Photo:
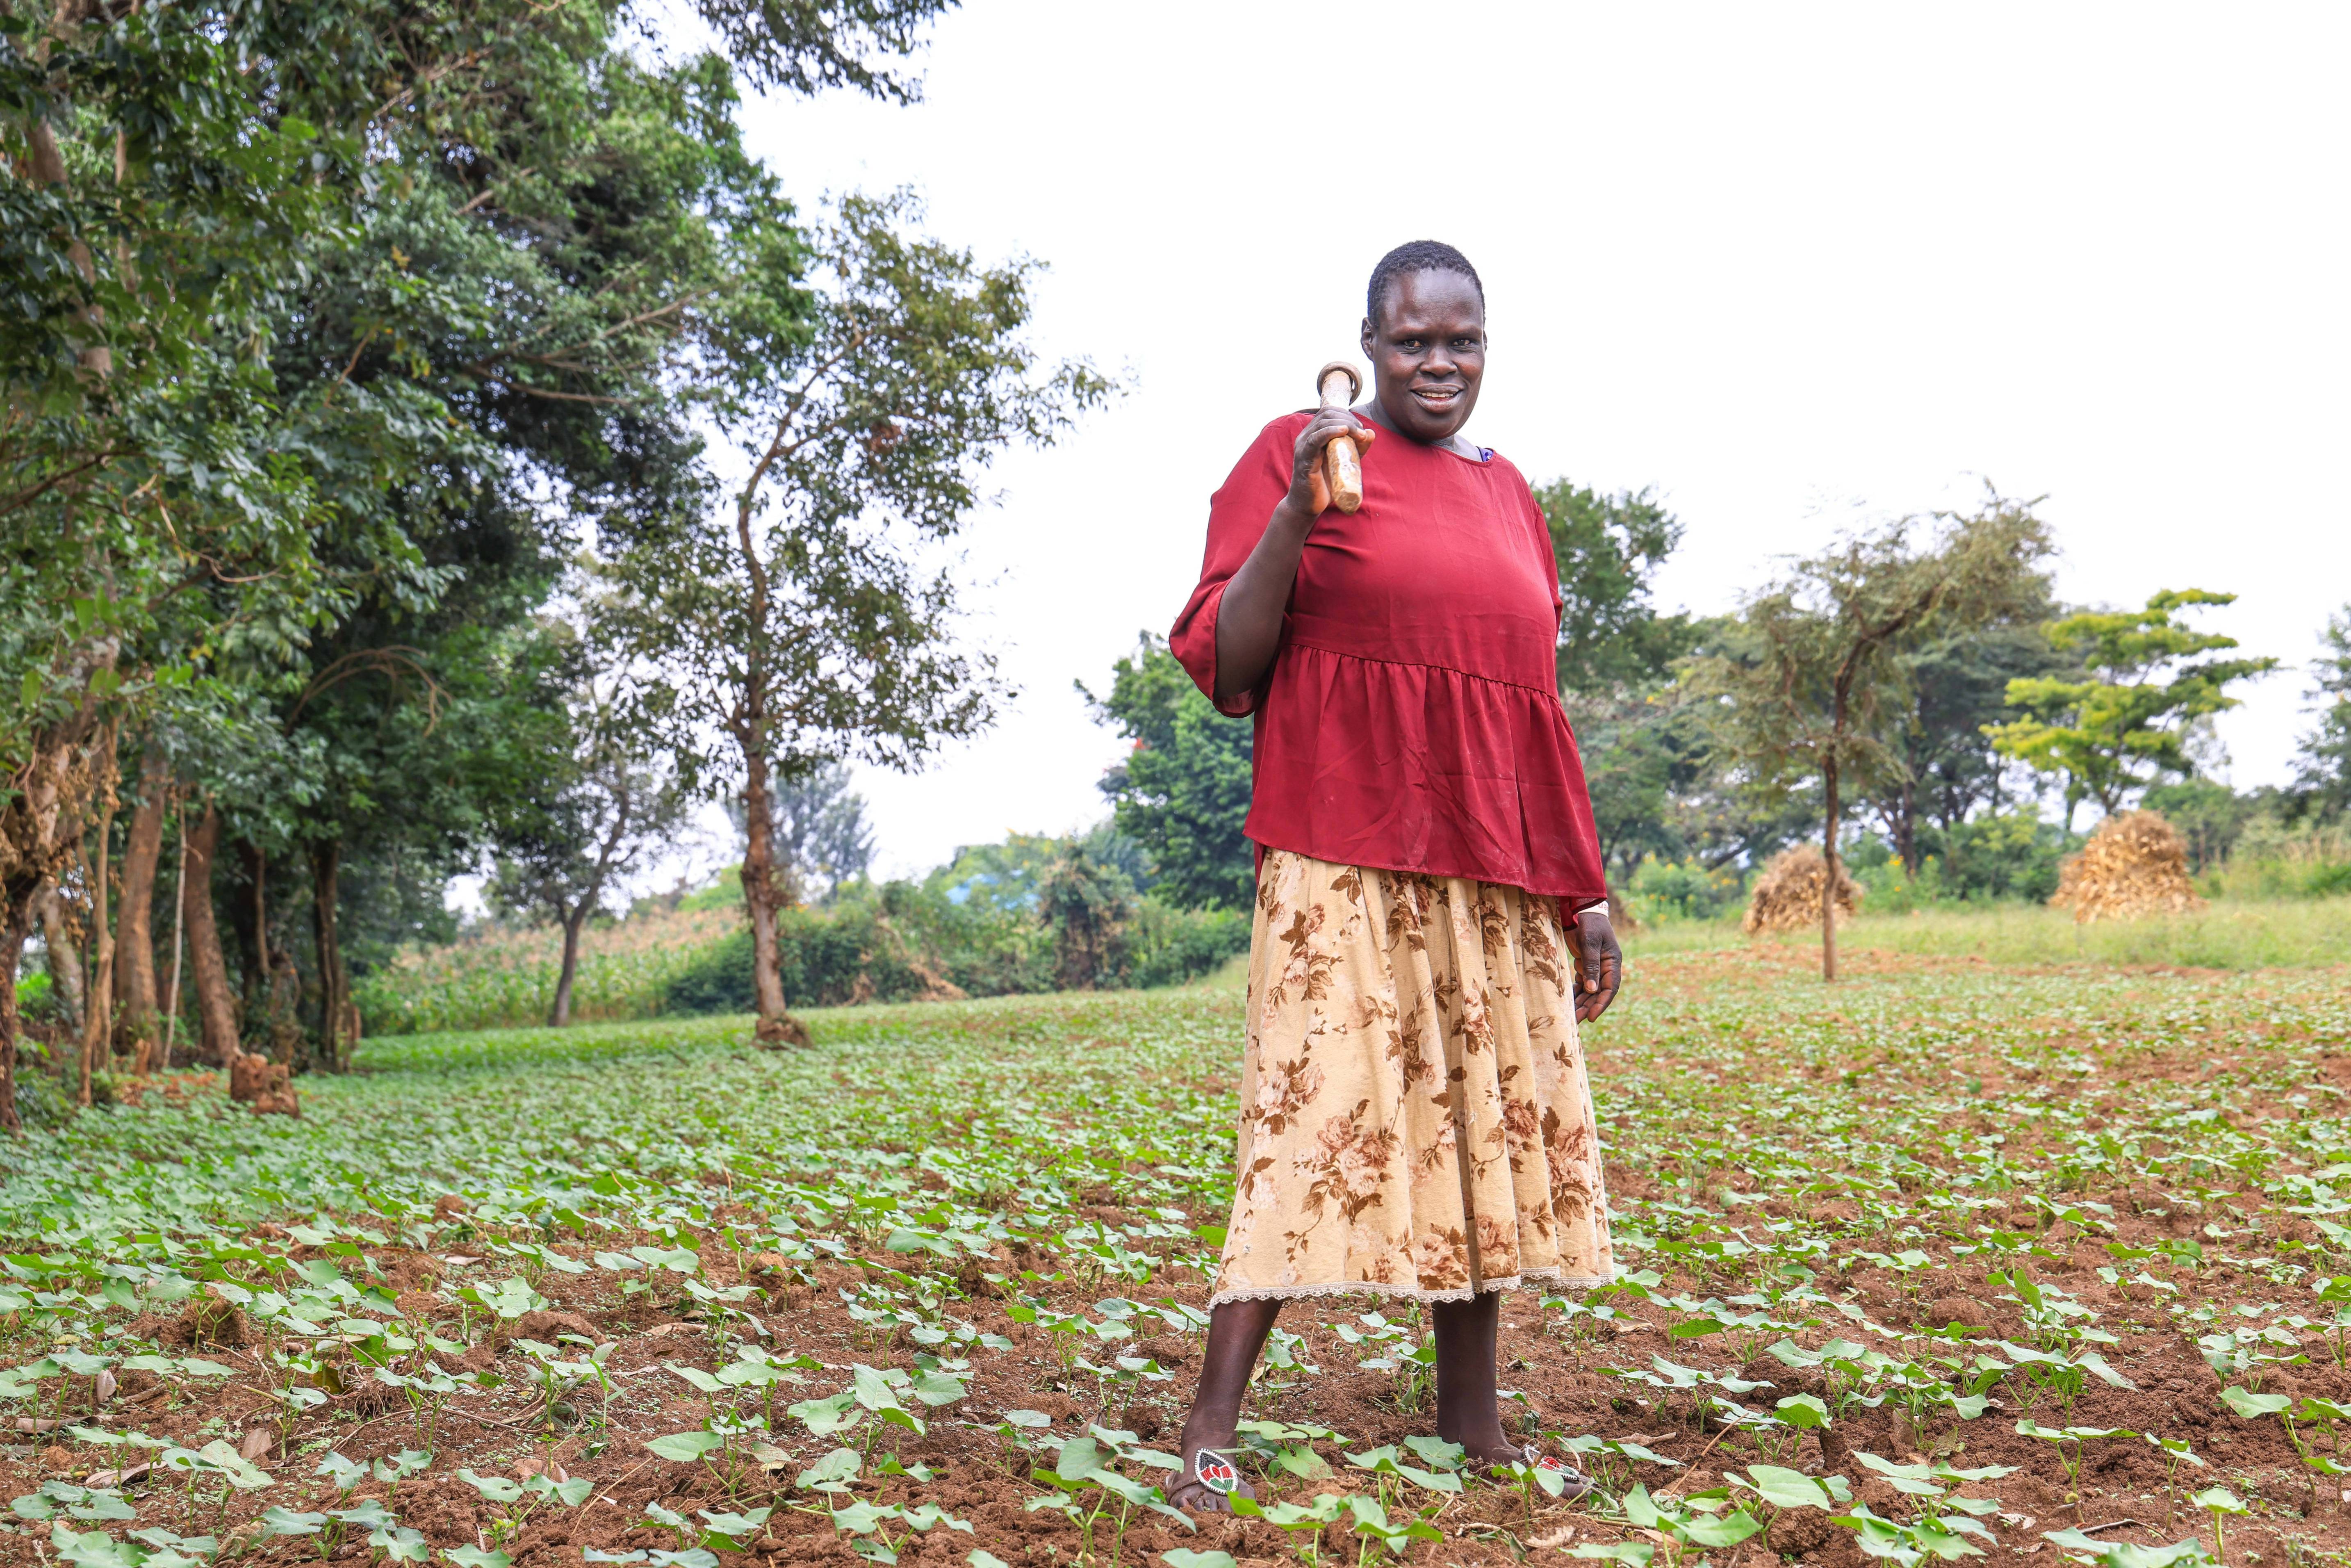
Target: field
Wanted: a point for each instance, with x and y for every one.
(1953, 1256)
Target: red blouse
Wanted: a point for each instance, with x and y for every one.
(1412, 720)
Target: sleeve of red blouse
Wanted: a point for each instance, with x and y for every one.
(1550, 555)
(1237, 518)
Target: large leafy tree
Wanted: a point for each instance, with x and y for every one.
(1608, 547)
(305, 301)
(2128, 720)
(865, 379)
(1814, 685)
(158, 500)
(1182, 792)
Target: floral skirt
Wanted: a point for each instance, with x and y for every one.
(1415, 1120)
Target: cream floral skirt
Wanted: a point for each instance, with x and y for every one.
(1415, 1120)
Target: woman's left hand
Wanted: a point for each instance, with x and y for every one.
(1599, 963)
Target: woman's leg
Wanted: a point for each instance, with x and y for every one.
(1468, 1411)
(1236, 1331)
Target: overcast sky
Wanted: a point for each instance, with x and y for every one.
(1793, 266)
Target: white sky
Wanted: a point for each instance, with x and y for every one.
(1780, 262)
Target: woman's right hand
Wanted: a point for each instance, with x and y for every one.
(1309, 487)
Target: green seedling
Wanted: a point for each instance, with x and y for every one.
(1297, 1519)
(1699, 1523)
(2219, 1502)
(2069, 1440)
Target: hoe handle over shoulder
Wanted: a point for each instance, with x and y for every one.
(1337, 384)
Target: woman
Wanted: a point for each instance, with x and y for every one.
(1415, 1120)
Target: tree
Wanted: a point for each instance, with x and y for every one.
(1658, 788)
(2321, 780)
(1816, 680)
(1181, 793)
(2127, 722)
(804, 624)
(291, 290)
(564, 848)
(1086, 904)
(1607, 548)
(821, 835)
(1957, 686)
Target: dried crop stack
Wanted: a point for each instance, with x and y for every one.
(1787, 896)
(2134, 865)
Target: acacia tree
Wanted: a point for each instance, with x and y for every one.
(866, 380)
(1814, 676)
(2127, 722)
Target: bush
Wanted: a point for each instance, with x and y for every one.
(1684, 890)
(1167, 947)
(2269, 859)
(2012, 855)
(898, 943)
(37, 997)
(989, 924)
(826, 959)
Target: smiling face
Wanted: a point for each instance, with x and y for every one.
(1428, 348)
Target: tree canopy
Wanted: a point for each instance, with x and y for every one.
(1815, 682)
(2127, 722)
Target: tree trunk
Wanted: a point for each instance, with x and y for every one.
(334, 985)
(64, 959)
(1829, 872)
(560, 1014)
(161, 1061)
(763, 898)
(21, 892)
(248, 914)
(216, 1004)
(1905, 830)
(134, 935)
(98, 1021)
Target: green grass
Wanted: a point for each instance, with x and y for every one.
(2223, 934)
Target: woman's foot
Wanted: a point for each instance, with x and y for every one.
(1572, 1483)
(1209, 1481)
(1236, 1330)
(1484, 1444)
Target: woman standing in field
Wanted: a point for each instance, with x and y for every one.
(1431, 917)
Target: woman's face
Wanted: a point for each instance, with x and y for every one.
(1428, 348)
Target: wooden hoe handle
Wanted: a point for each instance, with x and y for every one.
(1338, 385)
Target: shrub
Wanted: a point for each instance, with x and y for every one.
(1683, 890)
(2269, 859)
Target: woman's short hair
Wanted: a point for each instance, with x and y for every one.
(1416, 255)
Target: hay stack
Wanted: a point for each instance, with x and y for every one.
(1787, 896)
(2134, 865)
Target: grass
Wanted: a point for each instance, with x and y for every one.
(2225, 935)
(1789, 1162)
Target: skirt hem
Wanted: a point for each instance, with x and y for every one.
(1411, 1292)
